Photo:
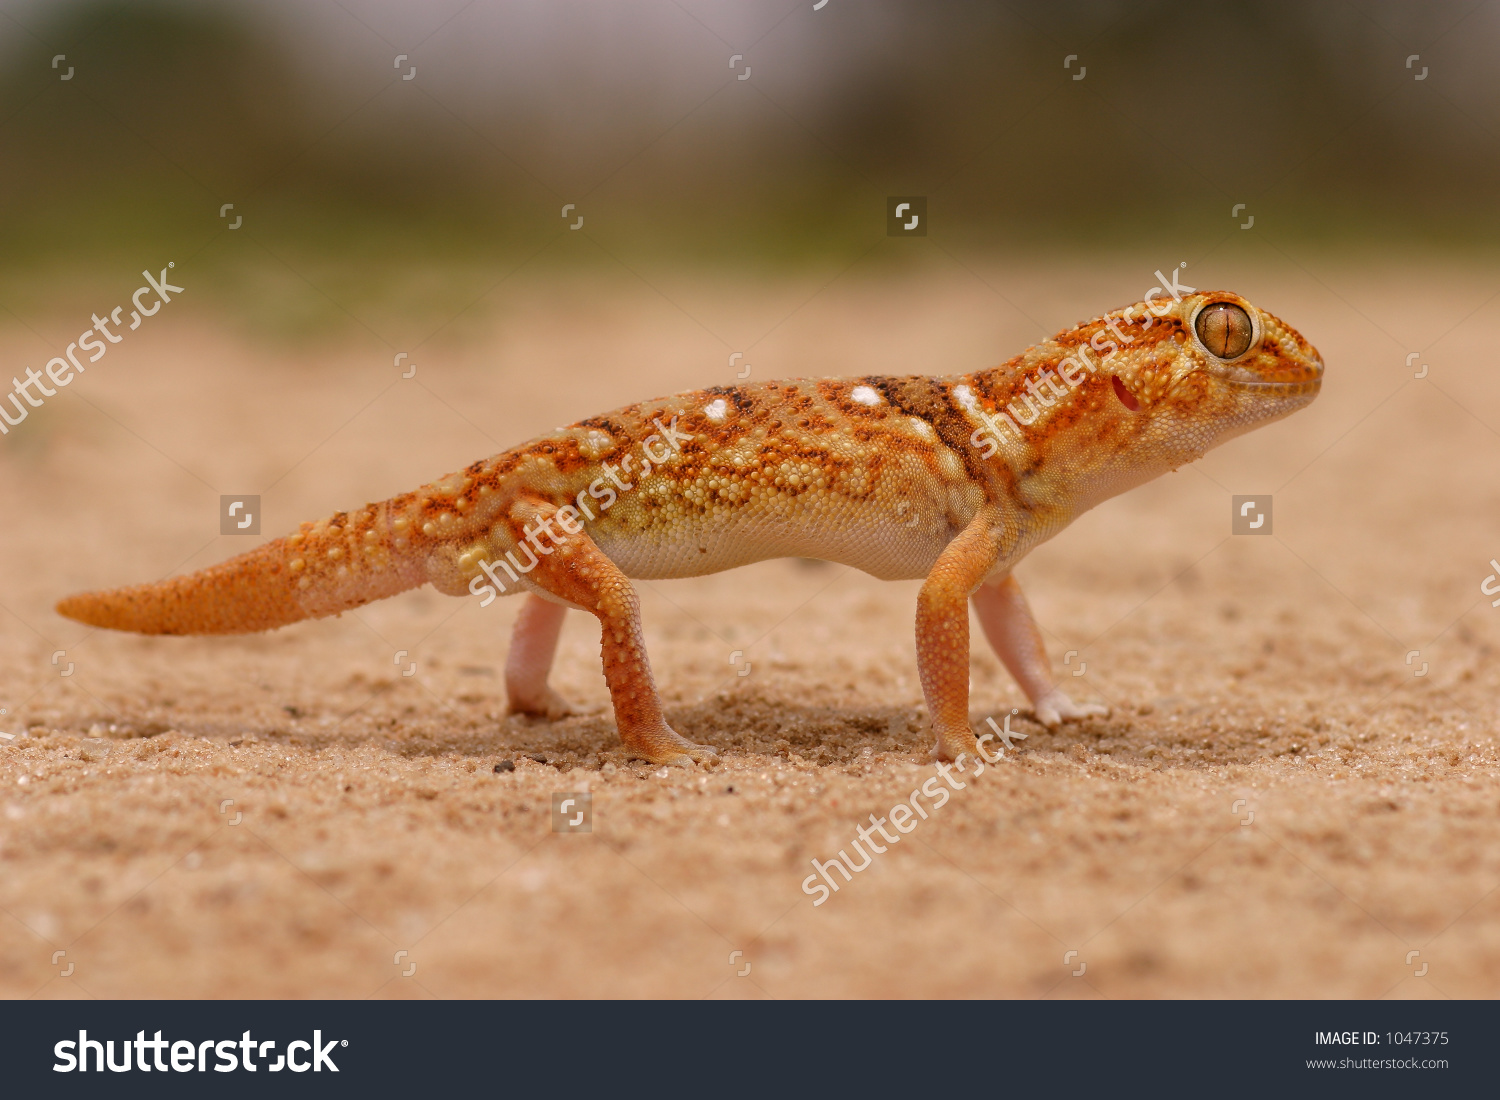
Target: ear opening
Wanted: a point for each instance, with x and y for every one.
(1126, 397)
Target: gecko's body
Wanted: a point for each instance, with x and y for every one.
(953, 479)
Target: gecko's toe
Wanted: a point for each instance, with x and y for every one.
(697, 754)
(548, 705)
(1056, 707)
(666, 746)
(952, 744)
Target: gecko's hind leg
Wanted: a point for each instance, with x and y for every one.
(572, 567)
(1014, 636)
(533, 645)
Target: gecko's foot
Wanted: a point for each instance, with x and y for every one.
(951, 744)
(664, 745)
(1055, 707)
(546, 704)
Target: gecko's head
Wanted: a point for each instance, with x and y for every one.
(1118, 400)
(1209, 368)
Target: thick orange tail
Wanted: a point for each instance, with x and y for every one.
(239, 596)
(327, 567)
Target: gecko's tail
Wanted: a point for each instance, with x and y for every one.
(325, 568)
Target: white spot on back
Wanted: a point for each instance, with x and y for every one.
(596, 444)
(716, 410)
(865, 395)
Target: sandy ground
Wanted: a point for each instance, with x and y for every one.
(1283, 802)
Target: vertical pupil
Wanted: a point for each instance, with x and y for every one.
(1225, 330)
(1218, 327)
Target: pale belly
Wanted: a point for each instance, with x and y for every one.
(899, 541)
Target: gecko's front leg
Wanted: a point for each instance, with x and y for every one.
(943, 632)
(1011, 628)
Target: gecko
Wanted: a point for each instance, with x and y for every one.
(949, 479)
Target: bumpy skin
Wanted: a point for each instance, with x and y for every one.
(902, 477)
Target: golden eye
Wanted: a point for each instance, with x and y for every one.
(1225, 330)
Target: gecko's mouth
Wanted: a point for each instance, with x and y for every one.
(1287, 380)
(1277, 389)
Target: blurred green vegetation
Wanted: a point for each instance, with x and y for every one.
(357, 186)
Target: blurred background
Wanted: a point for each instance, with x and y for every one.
(375, 190)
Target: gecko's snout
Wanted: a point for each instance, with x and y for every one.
(1252, 350)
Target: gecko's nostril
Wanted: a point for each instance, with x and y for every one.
(1123, 393)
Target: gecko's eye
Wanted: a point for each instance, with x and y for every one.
(1225, 330)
